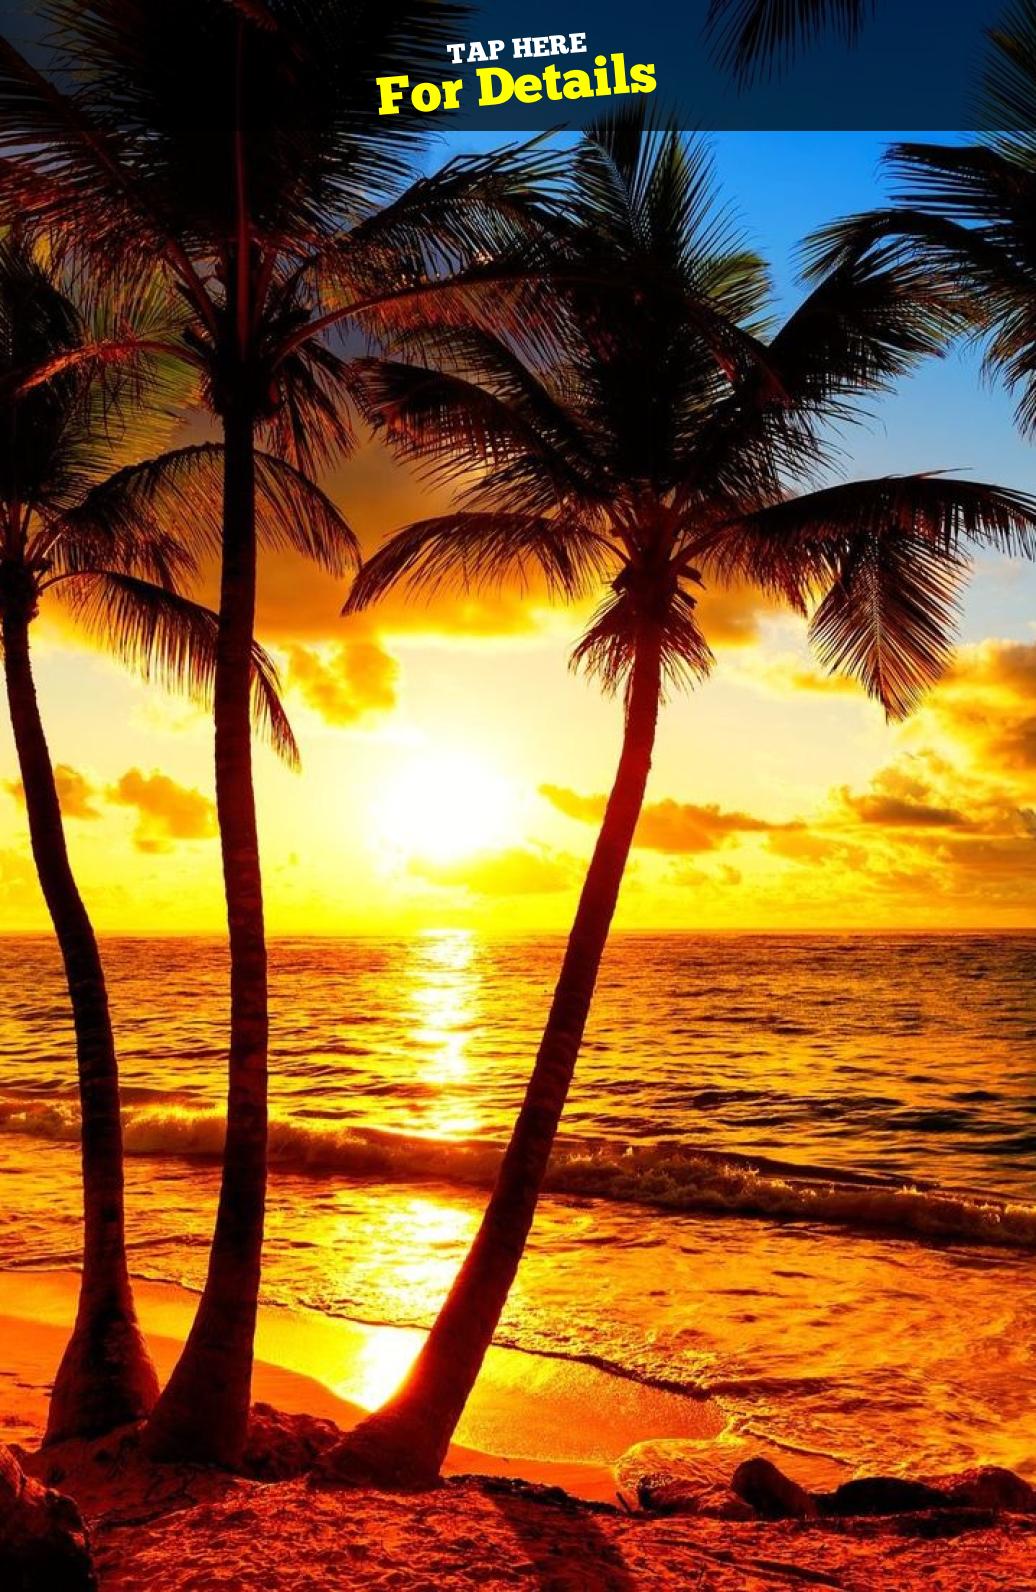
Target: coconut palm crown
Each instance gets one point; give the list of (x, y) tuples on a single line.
[(679, 440)]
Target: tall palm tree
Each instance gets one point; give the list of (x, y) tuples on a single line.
[(109, 545), (675, 440), (233, 145)]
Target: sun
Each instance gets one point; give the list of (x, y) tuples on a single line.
[(441, 806)]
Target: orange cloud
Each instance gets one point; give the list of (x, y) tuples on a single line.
[(675, 828), (986, 705), (518, 871), (357, 678), (898, 812), (75, 792), (805, 847), (731, 616), (166, 812)]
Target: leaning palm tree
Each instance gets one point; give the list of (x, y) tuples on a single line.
[(233, 145), (675, 440), (117, 548)]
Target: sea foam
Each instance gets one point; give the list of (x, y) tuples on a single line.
[(673, 1176)]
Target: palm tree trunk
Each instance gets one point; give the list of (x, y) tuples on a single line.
[(405, 1442), (203, 1412), (106, 1378)]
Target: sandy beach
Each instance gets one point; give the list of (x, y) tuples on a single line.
[(530, 1417), (537, 1506)]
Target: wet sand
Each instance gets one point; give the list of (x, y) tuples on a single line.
[(501, 1519), (546, 1420)]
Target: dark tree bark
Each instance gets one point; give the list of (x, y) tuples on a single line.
[(202, 1414), (405, 1442), (106, 1378)]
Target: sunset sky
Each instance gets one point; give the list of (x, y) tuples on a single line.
[(454, 768)]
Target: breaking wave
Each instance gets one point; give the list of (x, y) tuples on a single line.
[(673, 1176)]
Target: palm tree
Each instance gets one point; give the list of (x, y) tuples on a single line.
[(108, 545), (233, 145), (963, 216), (674, 440)]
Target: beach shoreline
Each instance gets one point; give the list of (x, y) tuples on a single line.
[(546, 1420), (498, 1520), (520, 1516)]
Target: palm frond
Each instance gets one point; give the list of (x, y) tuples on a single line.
[(608, 648), (889, 618), (887, 558), (788, 546), (479, 550), (473, 208), (165, 637), (180, 494), (172, 499), (871, 318), (483, 408), (756, 37), (311, 425), (1009, 89), (866, 323), (296, 514)]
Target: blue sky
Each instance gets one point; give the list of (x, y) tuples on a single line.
[(944, 417)]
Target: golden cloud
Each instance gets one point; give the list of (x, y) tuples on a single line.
[(675, 828), (356, 678), (986, 706), (898, 800), (75, 792), (688, 876), (520, 870), (166, 811), (806, 847), (731, 616)]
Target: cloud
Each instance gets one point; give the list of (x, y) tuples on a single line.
[(787, 675), (18, 879), (518, 871), (927, 838), (808, 848), (900, 812), (688, 876), (75, 792), (731, 616), (674, 828), (166, 812), (356, 678), (986, 705)]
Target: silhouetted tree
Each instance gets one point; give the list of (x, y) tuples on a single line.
[(673, 442), (234, 145), (116, 549)]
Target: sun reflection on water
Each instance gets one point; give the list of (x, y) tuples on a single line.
[(441, 989)]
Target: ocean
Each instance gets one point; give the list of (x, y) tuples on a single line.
[(797, 1174)]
